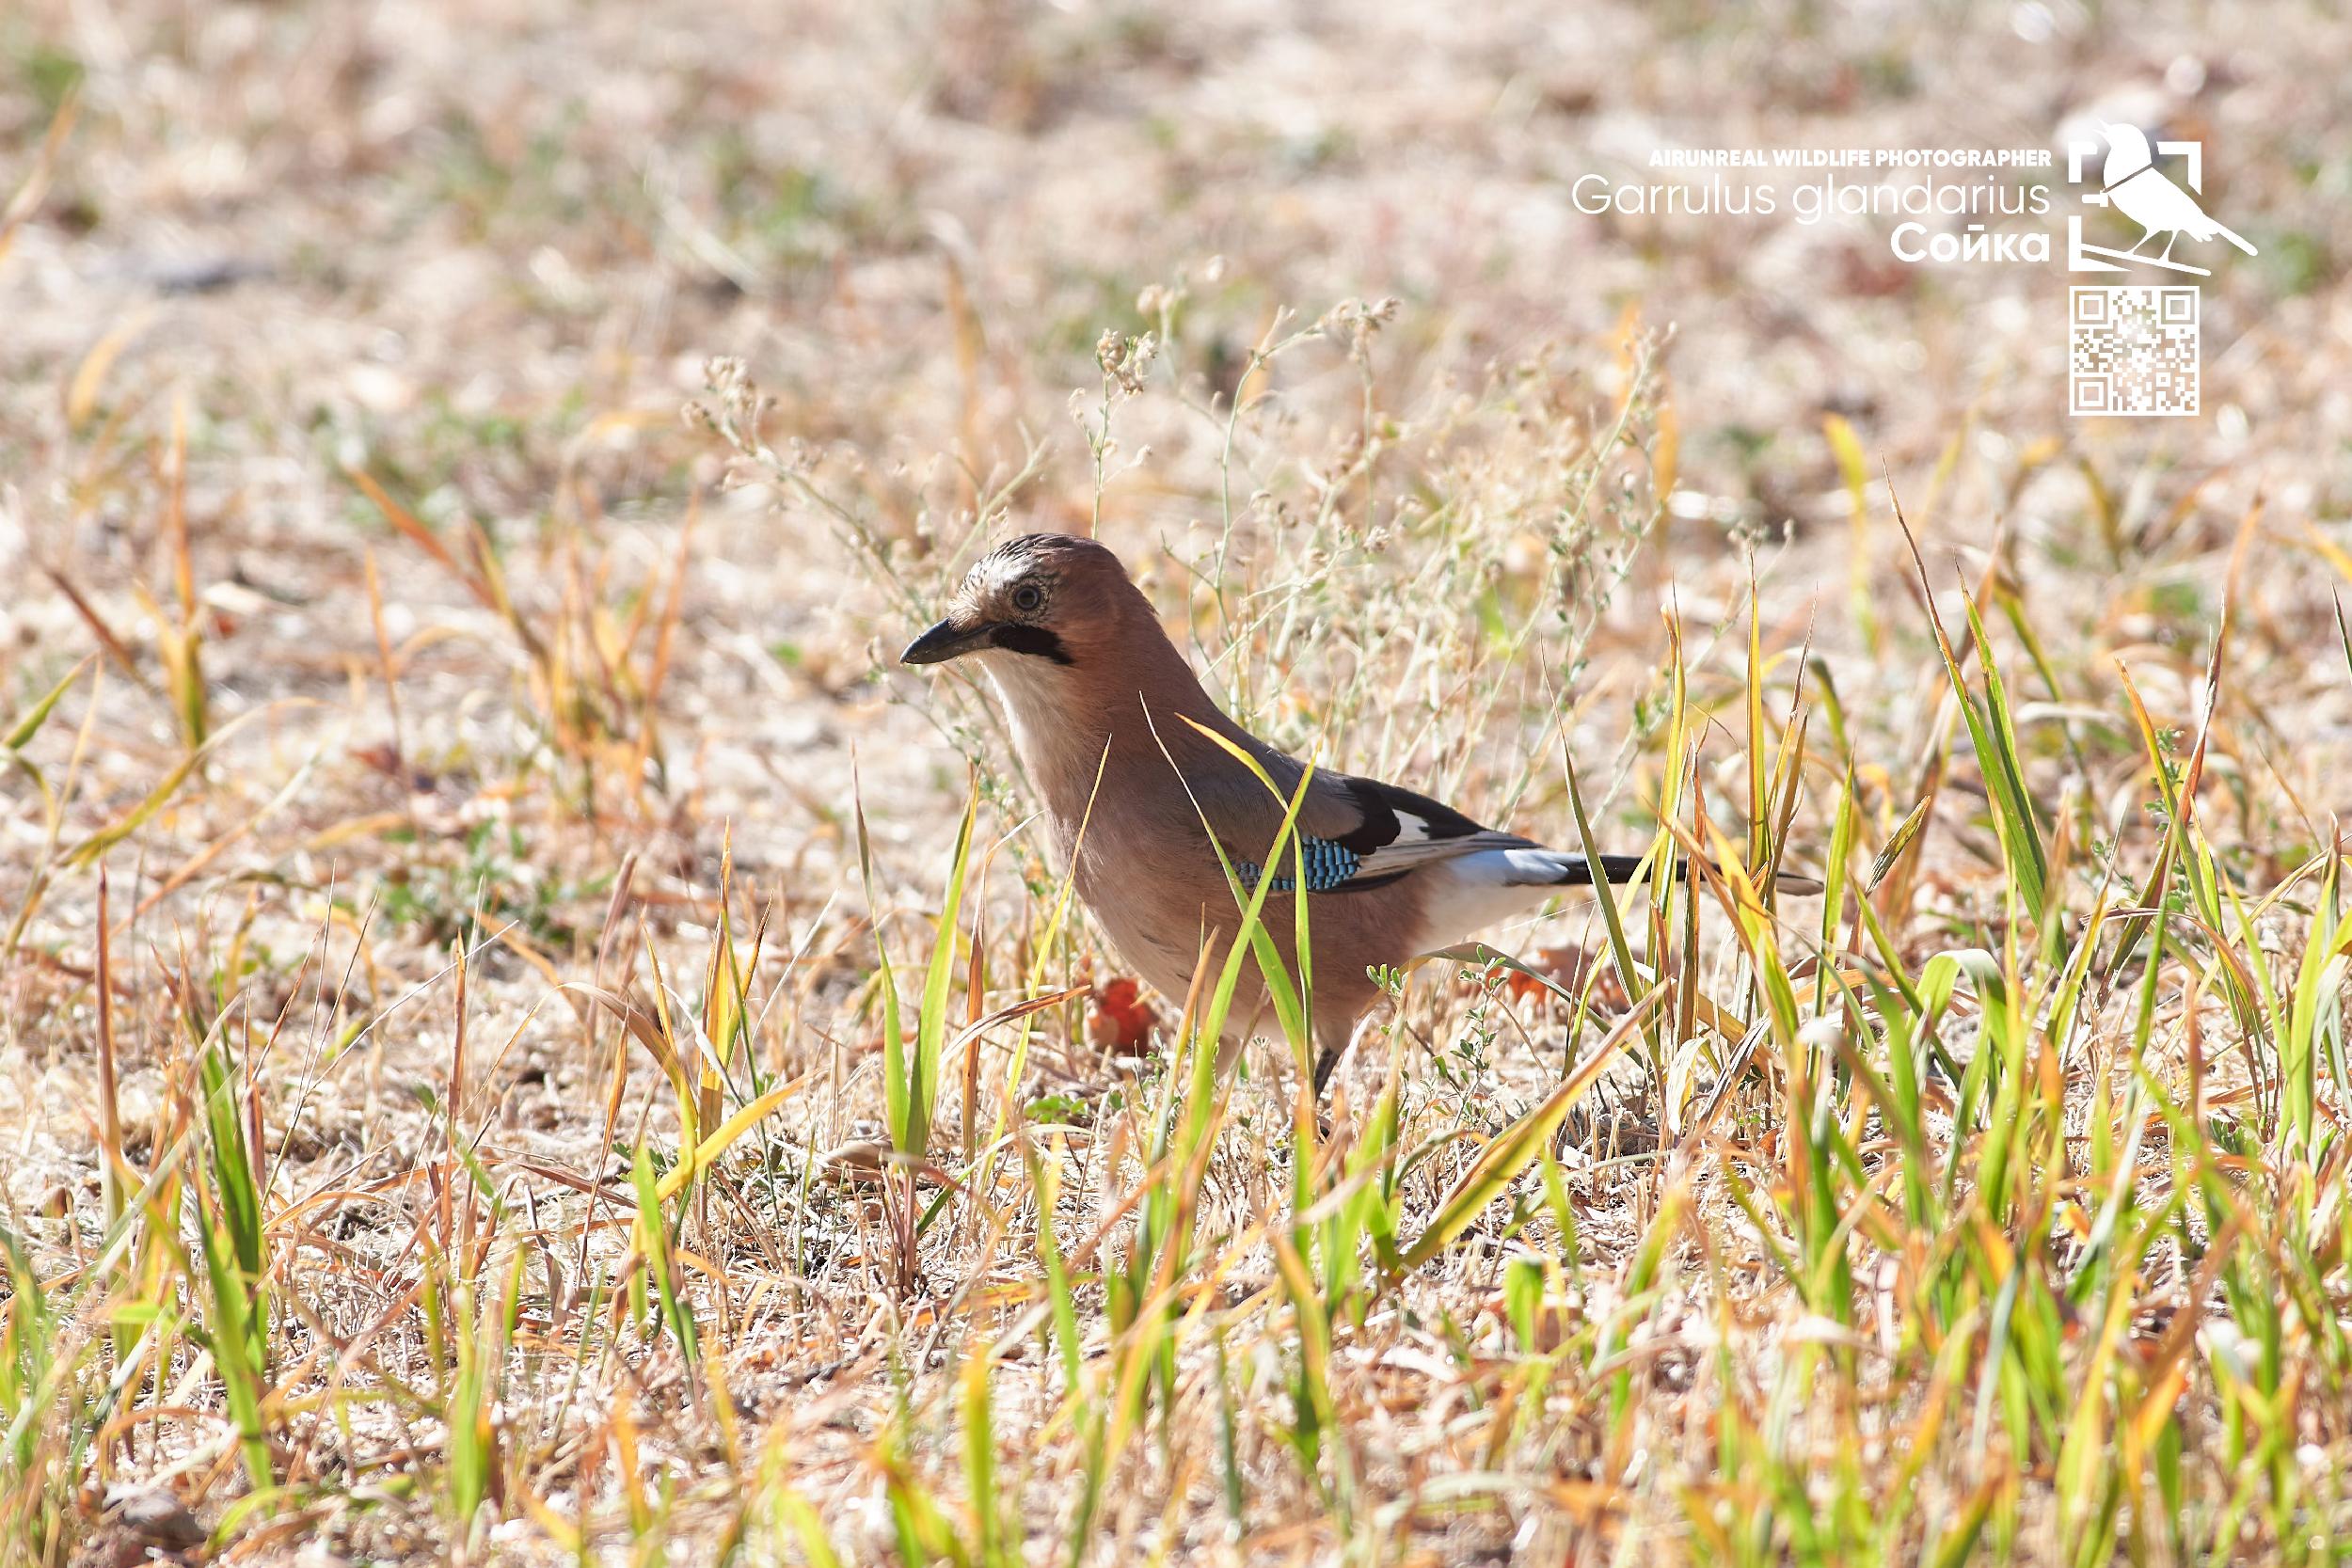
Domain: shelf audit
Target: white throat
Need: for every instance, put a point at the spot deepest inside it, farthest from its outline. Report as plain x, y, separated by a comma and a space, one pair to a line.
1057, 748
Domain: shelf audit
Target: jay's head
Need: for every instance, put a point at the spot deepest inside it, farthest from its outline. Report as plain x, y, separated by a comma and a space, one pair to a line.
1041, 600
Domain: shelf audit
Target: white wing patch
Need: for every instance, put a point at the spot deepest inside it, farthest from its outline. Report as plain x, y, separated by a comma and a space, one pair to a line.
1414, 845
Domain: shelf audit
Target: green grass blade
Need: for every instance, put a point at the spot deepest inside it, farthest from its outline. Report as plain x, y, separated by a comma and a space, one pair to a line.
1519, 1144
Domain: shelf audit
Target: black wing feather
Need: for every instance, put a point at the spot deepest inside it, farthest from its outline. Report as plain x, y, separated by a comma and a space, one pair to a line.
1380, 802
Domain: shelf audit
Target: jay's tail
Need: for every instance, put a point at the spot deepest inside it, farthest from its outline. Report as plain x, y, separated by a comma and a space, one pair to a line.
1558, 868
1489, 885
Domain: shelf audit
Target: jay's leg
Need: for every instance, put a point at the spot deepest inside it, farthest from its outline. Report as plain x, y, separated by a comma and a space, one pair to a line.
1326, 1057
1335, 1037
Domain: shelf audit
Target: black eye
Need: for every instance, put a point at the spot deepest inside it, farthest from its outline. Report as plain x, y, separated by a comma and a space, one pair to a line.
1029, 598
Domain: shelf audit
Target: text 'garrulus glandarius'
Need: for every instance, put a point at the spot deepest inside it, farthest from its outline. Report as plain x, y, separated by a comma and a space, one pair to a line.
1090, 683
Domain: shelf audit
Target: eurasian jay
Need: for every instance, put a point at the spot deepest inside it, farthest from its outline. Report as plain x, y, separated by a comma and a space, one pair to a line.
1090, 682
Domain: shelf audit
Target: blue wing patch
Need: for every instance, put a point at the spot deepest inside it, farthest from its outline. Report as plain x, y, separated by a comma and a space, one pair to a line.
1329, 865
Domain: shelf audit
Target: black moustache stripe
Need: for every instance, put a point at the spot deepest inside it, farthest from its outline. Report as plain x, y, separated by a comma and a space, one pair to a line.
1032, 640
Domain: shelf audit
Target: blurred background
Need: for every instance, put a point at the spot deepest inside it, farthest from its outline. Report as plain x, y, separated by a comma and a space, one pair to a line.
483, 253
484, 249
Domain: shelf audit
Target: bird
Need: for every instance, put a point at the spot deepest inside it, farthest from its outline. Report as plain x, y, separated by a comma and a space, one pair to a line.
1094, 690
2133, 184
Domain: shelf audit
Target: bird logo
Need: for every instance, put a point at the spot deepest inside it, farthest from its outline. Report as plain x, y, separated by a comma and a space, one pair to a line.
2131, 182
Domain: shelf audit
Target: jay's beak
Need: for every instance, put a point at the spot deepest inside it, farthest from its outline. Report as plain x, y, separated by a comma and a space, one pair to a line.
947, 640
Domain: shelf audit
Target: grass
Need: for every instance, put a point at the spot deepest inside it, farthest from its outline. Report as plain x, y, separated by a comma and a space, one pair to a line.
1945, 1239
513, 1069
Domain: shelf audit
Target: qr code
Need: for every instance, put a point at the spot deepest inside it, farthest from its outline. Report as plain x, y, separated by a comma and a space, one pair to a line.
2133, 351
